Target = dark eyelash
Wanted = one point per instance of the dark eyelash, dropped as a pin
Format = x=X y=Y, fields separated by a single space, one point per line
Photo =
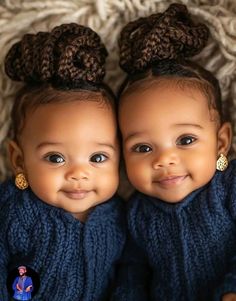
x=105 y=156
x=47 y=157
x=190 y=137
x=134 y=148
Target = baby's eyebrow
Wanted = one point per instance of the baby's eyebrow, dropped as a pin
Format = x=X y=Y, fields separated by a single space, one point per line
x=189 y=124
x=133 y=134
x=47 y=143
x=107 y=145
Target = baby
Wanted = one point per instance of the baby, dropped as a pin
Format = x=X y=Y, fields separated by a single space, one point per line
x=61 y=217
x=181 y=220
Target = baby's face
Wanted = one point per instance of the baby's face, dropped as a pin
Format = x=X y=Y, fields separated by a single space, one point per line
x=170 y=141
x=71 y=154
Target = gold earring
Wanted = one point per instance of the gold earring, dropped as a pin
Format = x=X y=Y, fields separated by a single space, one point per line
x=221 y=163
x=20 y=181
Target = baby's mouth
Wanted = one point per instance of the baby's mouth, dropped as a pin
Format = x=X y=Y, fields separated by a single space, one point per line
x=170 y=180
x=76 y=194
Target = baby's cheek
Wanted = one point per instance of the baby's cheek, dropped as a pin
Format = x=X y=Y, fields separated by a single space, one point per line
x=108 y=185
x=137 y=175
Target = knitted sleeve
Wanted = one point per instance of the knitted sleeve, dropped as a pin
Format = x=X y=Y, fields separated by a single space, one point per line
x=5 y=193
x=13 y=236
x=4 y=255
x=133 y=275
x=228 y=185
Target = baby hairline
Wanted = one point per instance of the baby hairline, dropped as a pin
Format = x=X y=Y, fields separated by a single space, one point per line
x=142 y=84
x=30 y=98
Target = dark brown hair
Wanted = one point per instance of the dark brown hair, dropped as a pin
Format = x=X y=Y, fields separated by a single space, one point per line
x=159 y=46
x=65 y=64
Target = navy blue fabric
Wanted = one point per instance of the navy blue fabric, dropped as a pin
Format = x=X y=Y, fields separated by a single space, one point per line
x=189 y=248
x=74 y=261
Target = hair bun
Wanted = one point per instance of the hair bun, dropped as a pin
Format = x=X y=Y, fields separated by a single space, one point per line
x=168 y=35
x=68 y=55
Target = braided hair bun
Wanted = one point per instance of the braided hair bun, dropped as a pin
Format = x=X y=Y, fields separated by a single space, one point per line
x=168 y=35
x=68 y=55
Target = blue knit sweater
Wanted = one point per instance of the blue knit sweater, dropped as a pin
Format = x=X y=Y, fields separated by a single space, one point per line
x=184 y=251
x=74 y=261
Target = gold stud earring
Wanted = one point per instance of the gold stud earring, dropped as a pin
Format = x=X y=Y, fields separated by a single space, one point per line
x=221 y=163
x=20 y=181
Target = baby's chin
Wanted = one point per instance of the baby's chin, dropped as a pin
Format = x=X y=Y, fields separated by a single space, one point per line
x=169 y=198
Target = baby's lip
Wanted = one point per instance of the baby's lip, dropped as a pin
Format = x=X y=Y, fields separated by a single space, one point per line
x=170 y=180
x=76 y=194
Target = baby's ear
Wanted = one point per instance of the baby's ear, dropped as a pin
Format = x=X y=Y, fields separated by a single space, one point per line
x=16 y=157
x=224 y=138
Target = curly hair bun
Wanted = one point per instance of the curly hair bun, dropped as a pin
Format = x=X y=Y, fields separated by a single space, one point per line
x=168 y=35
x=68 y=55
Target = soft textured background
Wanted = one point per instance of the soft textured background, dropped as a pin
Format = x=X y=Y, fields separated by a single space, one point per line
x=107 y=17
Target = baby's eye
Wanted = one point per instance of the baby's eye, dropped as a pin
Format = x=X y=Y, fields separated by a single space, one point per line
x=98 y=158
x=55 y=158
x=186 y=140
x=142 y=148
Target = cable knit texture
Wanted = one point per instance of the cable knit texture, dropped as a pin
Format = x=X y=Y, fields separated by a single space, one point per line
x=190 y=246
x=75 y=261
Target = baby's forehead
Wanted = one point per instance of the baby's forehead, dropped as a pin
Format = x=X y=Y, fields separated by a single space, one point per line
x=68 y=123
x=171 y=105
x=158 y=88
x=165 y=91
